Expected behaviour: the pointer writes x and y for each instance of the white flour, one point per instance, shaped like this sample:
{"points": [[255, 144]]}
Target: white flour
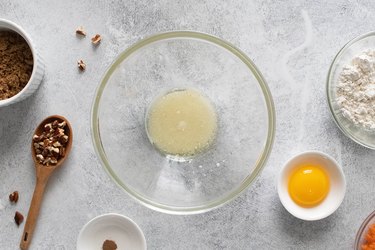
{"points": [[356, 90]]}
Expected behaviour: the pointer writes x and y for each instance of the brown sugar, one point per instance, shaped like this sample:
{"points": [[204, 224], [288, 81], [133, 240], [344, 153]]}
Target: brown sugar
{"points": [[16, 64]]}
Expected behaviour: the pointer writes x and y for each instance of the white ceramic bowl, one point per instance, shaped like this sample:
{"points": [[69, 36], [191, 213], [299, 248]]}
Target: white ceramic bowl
{"points": [[118, 228], [330, 203], [38, 68]]}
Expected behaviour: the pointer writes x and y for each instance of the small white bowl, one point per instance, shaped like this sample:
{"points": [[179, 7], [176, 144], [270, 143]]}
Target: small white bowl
{"points": [[330, 203], [38, 67], [118, 228]]}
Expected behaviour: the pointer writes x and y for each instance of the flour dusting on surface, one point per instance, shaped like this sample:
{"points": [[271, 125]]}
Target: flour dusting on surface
{"points": [[1, 205]]}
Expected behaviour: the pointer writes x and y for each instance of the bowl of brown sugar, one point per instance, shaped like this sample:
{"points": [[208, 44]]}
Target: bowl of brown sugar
{"points": [[21, 68]]}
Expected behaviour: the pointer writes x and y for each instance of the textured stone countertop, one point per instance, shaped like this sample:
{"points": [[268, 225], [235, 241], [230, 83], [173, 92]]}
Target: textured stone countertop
{"points": [[291, 42]]}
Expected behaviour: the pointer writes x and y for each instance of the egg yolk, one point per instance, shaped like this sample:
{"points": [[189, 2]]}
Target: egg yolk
{"points": [[308, 185]]}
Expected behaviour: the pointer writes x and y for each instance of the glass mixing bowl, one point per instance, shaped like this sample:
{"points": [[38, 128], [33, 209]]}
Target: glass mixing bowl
{"points": [[183, 60], [357, 133]]}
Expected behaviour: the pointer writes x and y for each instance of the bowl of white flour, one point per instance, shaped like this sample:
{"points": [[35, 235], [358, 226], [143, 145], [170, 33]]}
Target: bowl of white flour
{"points": [[351, 89]]}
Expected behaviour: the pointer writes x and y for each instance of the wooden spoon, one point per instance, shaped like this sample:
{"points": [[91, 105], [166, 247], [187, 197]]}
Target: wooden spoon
{"points": [[43, 172]]}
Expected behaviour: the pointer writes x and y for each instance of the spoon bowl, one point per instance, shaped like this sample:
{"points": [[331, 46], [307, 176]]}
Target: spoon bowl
{"points": [[68, 146], [43, 172]]}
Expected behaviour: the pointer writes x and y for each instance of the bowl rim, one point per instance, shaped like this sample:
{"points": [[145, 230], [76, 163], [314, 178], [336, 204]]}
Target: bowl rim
{"points": [[20, 31], [95, 133], [122, 217], [280, 183], [330, 84], [362, 229]]}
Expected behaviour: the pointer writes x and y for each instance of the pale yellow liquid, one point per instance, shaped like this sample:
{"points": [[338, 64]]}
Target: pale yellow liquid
{"points": [[182, 122]]}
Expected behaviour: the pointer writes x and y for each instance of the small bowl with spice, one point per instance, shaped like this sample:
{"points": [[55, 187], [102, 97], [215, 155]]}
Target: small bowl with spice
{"points": [[365, 239], [311, 186], [110, 232], [21, 68], [351, 89]]}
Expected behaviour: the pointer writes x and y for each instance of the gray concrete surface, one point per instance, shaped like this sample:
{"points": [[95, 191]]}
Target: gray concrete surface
{"points": [[292, 43]]}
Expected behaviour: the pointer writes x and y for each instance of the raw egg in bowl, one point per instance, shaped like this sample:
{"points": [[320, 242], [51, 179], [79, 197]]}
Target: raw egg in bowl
{"points": [[311, 186]]}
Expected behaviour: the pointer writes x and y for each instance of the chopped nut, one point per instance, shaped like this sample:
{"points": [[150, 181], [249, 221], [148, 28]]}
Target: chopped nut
{"points": [[62, 152], [54, 151], [47, 160], [61, 132], [39, 157], [64, 139], [49, 150], [13, 197], [46, 142], [80, 31], [18, 218], [36, 138], [96, 39], [53, 160], [45, 152], [55, 124], [81, 65], [48, 127], [62, 124], [58, 132]]}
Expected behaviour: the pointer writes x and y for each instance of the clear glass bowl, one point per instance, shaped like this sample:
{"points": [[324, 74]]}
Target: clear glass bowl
{"points": [[360, 238], [178, 60], [356, 46]]}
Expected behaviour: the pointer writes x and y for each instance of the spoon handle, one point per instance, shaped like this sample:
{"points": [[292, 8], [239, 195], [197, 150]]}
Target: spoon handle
{"points": [[33, 213]]}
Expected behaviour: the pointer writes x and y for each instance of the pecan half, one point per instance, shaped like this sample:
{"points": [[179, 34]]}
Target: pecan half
{"points": [[81, 65], [96, 39], [18, 218], [80, 31], [13, 197]]}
